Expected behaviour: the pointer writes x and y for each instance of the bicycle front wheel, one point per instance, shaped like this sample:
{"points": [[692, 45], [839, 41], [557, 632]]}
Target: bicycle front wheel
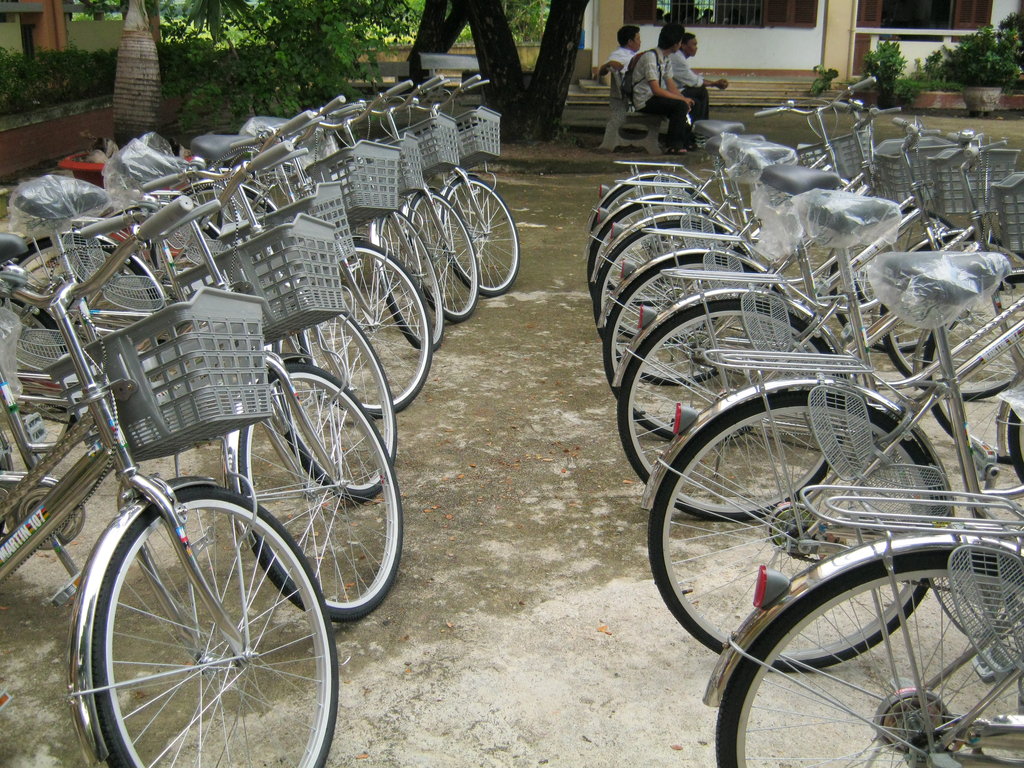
{"points": [[169, 687], [493, 230], [885, 706], [346, 515]]}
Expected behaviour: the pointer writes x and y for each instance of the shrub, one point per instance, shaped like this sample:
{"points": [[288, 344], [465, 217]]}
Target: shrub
{"points": [[823, 81], [885, 64], [53, 77]]}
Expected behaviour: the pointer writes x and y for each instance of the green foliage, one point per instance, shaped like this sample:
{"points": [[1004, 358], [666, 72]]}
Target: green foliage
{"points": [[907, 89], [823, 81], [885, 64], [526, 19], [281, 57], [53, 77], [984, 58], [1014, 25]]}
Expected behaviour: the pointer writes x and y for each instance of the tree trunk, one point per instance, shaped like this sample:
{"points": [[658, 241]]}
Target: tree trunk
{"points": [[137, 82], [437, 33]]}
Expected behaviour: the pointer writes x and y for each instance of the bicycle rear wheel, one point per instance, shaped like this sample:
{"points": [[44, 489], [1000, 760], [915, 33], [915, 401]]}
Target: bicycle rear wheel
{"points": [[169, 687], [869, 710]]}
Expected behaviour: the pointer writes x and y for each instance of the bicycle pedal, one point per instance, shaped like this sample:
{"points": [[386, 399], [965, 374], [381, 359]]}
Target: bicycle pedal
{"points": [[5, 699], [63, 595], [35, 427]]}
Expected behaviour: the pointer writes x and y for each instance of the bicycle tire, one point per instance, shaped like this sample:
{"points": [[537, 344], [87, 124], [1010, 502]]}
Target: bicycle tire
{"points": [[347, 518], [450, 245], [342, 348], [725, 506], [493, 231], [666, 373], [394, 316], [870, 708], [166, 683], [395, 234]]}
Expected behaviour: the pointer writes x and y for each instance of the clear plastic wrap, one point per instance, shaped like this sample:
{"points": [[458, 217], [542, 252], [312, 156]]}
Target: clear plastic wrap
{"points": [[261, 125], [746, 157], [839, 219], [1015, 397], [137, 162], [10, 331], [930, 289], [50, 203], [781, 230]]}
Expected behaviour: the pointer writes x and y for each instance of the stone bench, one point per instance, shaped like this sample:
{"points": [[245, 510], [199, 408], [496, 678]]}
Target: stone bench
{"points": [[447, 63], [626, 128]]}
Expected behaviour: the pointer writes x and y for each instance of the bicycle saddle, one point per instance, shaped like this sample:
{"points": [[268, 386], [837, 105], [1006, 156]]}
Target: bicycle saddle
{"points": [[51, 201], [795, 179], [709, 128], [213, 147], [11, 247], [929, 290], [843, 219]]}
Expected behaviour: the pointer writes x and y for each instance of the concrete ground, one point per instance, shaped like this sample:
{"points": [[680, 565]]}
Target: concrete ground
{"points": [[524, 628]]}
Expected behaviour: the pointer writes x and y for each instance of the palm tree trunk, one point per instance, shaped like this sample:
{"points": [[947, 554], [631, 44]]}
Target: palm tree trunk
{"points": [[137, 83]]}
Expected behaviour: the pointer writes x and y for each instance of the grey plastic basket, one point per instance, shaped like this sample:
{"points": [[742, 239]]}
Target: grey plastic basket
{"points": [[1008, 201], [368, 172], [892, 179], [479, 136], [294, 266], [848, 150], [326, 203], [411, 162], [951, 194], [438, 137], [198, 368]]}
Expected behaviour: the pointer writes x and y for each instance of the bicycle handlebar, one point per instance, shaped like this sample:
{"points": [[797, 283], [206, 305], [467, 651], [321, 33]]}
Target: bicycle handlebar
{"points": [[167, 219]]}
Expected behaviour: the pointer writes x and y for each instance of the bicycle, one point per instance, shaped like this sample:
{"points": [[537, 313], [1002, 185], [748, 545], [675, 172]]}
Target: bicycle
{"points": [[220, 607]]}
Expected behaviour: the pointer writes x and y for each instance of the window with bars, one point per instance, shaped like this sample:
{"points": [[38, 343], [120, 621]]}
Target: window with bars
{"points": [[726, 13]]}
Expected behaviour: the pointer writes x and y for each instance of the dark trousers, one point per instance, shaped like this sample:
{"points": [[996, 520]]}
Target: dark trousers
{"points": [[679, 134], [701, 102]]}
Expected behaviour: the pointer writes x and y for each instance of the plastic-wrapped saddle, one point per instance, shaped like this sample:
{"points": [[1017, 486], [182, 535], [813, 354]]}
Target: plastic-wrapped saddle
{"points": [[50, 203], [136, 163], [840, 219]]}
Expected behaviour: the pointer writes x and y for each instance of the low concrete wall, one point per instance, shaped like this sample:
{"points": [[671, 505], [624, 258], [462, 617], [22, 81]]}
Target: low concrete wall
{"points": [[33, 138]]}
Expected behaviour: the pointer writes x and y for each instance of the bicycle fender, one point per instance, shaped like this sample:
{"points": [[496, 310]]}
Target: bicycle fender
{"points": [[83, 618], [744, 638]]}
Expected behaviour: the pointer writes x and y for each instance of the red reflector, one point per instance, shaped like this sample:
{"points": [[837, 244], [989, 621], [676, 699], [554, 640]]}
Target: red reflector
{"points": [[761, 585], [679, 418]]}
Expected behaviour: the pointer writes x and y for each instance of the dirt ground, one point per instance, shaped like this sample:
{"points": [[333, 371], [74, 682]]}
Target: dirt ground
{"points": [[524, 628]]}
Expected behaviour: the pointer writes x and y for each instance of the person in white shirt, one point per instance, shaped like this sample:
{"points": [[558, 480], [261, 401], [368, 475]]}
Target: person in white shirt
{"points": [[689, 82], [629, 43], [656, 93]]}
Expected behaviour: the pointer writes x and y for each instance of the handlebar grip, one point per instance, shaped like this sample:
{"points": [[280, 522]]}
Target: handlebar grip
{"points": [[900, 122], [108, 225], [164, 182], [167, 219], [472, 81], [769, 111], [888, 111], [398, 88], [348, 110], [334, 104], [867, 82], [435, 82], [297, 123], [270, 156]]}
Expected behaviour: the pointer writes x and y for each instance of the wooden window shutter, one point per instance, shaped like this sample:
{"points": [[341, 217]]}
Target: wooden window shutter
{"points": [[639, 11], [869, 13], [790, 13], [971, 14], [861, 45]]}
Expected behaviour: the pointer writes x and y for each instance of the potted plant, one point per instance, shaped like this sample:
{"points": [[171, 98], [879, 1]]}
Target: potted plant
{"points": [[985, 63], [885, 64]]}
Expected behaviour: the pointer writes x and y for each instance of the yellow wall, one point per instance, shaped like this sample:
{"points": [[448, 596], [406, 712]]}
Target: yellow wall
{"points": [[10, 36], [840, 21], [95, 35]]}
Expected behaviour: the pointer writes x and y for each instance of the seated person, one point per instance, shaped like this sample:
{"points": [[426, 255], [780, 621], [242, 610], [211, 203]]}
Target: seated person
{"points": [[655, 92], [629, 43], [689, 82]]}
